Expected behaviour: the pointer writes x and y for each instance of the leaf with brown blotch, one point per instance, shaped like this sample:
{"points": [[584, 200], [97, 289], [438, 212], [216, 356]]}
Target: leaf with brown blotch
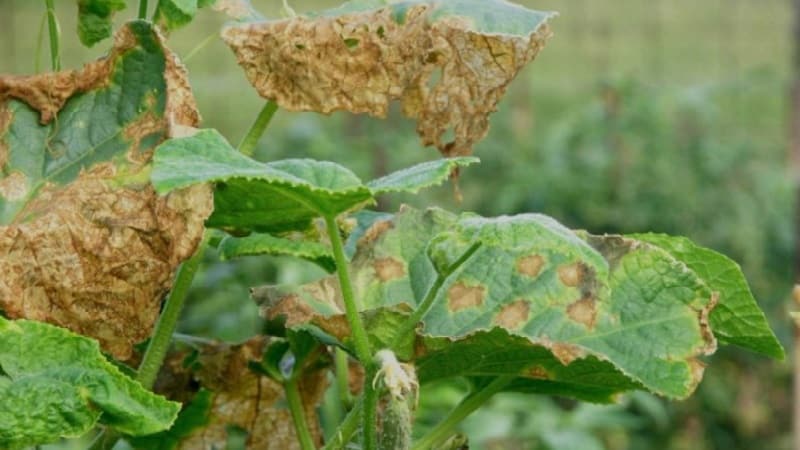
{"points": [[447, 62], [241, 398], [85, 242]]}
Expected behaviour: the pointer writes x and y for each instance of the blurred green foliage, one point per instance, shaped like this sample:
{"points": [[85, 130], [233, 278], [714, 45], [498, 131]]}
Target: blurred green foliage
{"points": [[666, 115]]}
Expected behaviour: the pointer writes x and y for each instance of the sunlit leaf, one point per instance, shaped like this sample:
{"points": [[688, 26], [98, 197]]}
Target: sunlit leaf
{"points": [[61, 385], [420, 176]]}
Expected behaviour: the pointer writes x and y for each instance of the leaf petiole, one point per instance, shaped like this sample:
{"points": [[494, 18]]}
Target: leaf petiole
{"points": [[55, 36], [248, 144]]}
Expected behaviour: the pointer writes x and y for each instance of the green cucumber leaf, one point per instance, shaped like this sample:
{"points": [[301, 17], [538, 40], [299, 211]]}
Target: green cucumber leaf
{"points": [[737, 319], [573, 314], [421, 176], [173, 14], [194, 415], [267, 244], [61, 385], [95, 19], [282, 195]]}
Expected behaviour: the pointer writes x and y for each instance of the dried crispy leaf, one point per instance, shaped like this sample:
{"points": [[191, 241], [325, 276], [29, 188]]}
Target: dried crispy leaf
{"points": [[59, 384], [242, 399], [448, 62], [583, 317], [87, 243], [94, 19]]}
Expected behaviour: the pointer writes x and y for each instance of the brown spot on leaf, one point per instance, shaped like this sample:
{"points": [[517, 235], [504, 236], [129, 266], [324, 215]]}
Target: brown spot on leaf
{"points": [[14, 187], [696, 369], [538, 372], [513, 315], [705, 327], [374, 232], [446, 76], [571, 275], [583, 311], [565, 353], [389, 269], [460, 296], [91, 255], [530, 266]]}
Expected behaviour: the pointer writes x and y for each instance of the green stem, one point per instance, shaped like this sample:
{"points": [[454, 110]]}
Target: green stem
{"points": [[343, 379], [298, 414], [199, 47], [413, 320], [52, 25], [37, 63], [143, 9], [248, 144], [360, 340], [369, 419], [168, 321], [468, 405], [347, 428]]}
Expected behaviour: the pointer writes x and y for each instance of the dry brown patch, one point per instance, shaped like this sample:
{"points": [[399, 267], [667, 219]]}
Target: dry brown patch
{"points": [[705, 327], [460, 296], [566, 353], [538, 372], [14, 187], [513, 315], [374, 232], [530, 266], [583, 311], [571, 275], [389, 269]]}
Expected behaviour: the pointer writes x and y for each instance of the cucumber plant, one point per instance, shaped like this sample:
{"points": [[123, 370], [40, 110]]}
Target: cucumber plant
{"points": [[110, 193]]}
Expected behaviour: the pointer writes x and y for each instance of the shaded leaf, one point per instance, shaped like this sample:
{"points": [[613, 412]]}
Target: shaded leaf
{"points": [[737, 319], [173, 14], [267, 244], [193, 416], [577, 315], [95, 19], [61, 385], [86, 243], [418, 177], [448, 62]]}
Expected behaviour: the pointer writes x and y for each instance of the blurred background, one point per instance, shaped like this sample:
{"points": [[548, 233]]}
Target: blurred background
{"points": [[658, 115]]}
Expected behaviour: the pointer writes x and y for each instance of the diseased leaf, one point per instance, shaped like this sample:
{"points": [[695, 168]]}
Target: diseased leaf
{"points": [[267, 244], [60, 385], [85, 241], [573, 314], [242, 399], [282, 195], [420, 176], [173, 14], [193, 416], [448, 62], [737, 319], [95, 19]]}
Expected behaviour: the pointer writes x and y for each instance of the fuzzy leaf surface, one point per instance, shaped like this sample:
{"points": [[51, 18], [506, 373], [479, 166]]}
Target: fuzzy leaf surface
{"points": [[267, 244], [421, 176], [573, 314], [737, 319], [60, 385]]}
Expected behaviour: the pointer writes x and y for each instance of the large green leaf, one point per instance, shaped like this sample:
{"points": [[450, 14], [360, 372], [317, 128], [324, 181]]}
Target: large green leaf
{"points": [[85, 242], [573, 314], [737, 318], [447, 62], [95, 19], [281, 195], [59, 384]]}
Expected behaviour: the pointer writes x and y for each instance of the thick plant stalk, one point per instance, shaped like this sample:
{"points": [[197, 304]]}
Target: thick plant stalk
{"points": [[342, 379], [143, 9], [55, 36], [369, 419], [248, 144], [467, 406], [298, 414]]}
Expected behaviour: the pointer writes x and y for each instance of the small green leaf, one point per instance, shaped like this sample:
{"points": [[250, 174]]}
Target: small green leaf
{"points": [[61, 385], [737, 319], [193, 416], [94, 19], [267, 244], [173, 14], [421, 176]]}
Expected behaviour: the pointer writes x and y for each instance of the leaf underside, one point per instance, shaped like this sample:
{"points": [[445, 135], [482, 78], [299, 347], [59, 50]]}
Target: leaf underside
{"points": [[572, 314]]}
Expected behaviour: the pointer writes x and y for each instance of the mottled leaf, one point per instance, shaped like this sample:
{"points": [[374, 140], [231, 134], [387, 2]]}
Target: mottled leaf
{"points": [[421, 176], [737, 319], [573, 314], [85, 242], [193, 416], [267, 244], [95, 19], [447, 62], [60, 385]]}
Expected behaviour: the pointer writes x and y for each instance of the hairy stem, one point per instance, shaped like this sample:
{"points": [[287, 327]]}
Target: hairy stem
{"points": [[168, 321], [248, 144], [55, 36], [468, 405], [359, 334], [413, 320], [369, 419], [343, 379], [143, 9], [298, 414]]}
